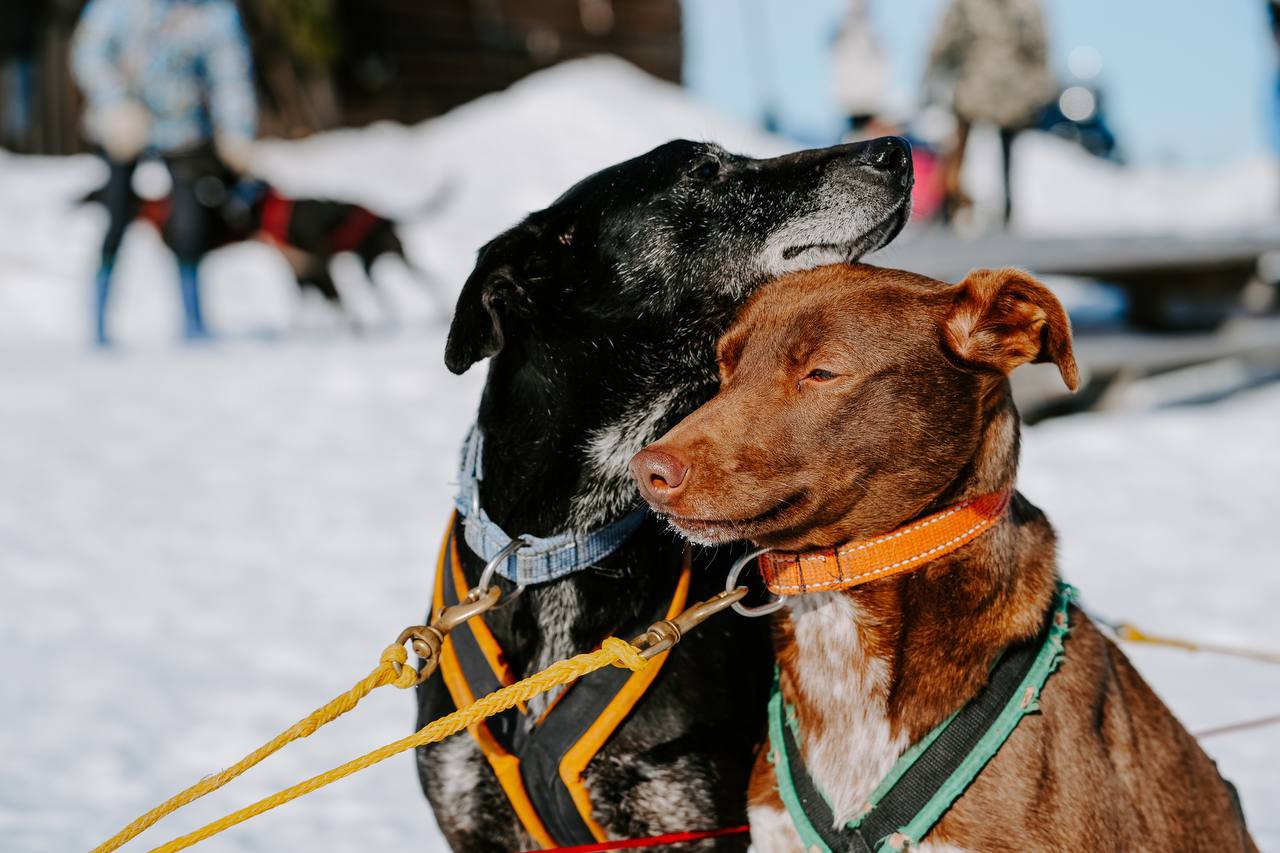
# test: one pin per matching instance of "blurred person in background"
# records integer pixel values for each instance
(992, 57)
(173, 78)
(860, 74)
(1273, 18)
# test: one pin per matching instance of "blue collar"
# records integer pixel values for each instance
(540, 559)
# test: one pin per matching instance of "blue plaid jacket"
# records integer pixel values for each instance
(186, 61)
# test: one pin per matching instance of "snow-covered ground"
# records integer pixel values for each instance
(198, 546)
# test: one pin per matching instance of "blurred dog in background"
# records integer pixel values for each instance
(308, 232)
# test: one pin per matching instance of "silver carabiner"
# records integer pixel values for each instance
(490, 568)
(731, 583)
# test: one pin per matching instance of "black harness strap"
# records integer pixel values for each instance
(545, 747)
(931, 769)
(815, 806)
(541, 745)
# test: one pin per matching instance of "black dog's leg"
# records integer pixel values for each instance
(441, 300)
(386, 307)
(317, 277)
(384, 241)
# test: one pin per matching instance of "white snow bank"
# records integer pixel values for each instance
(1061, 189)
(1065, 190)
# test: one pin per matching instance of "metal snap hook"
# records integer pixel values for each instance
(486, 576)
(426, 641)
(731, 583)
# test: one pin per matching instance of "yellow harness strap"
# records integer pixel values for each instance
(533, 807)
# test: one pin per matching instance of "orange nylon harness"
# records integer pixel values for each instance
(901, 550)
(577, 725)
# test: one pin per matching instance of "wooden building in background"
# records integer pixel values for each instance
(419, 59)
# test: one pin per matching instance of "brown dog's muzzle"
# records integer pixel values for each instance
(660, 474)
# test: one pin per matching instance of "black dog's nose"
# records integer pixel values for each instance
(890, 154)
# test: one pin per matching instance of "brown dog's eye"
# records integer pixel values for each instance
(820, 375)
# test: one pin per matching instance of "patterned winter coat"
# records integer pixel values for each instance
(186, 62)
(994, 55)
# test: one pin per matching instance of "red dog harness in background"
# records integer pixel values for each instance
(277, 215)
(277, 212)
(351, 233)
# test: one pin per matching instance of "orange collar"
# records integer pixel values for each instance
(908, 547)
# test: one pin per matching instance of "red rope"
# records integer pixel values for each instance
(652, 840)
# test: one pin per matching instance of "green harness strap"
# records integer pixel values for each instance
(783, 733)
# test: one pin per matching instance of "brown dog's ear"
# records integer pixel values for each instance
(1003, 318)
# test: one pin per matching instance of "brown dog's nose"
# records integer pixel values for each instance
(659, 473)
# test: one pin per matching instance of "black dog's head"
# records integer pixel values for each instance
(687, 224)
(602, 311)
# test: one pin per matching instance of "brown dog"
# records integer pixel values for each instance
(854, 401)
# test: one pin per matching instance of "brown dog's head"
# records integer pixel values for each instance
(852, 399)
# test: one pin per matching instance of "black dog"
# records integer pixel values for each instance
(600, 316)
(310, 232)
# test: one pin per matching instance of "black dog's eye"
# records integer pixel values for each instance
(820, 375)
(706, 170)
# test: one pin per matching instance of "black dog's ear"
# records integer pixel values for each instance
(495, 287)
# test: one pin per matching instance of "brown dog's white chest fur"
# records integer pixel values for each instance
(846, 737)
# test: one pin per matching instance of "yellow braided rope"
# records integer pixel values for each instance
(613, 651)
(1133, 634)
(390, 670)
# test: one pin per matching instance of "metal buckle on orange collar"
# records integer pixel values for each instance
(731, 583)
